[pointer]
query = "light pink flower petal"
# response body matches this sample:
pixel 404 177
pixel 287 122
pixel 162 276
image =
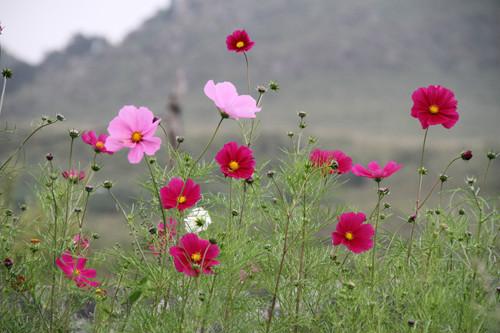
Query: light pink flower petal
pixel 136 154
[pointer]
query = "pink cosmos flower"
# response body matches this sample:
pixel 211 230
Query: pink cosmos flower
pixel 374 171
pixel 163 237
pixel 73 175
pixel 134 128
pixel 434 105
pixel 239 41
pixel 335 161
pixel 230 104
pixel 98 142
pixel 351 232
pixel 80 242
pixel 194 255
pixel 180 195
pixel 236 162
pixel 74 269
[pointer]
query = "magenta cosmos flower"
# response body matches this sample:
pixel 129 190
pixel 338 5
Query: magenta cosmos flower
pixel 97 142
pixel 73 175
pixel 239 41
pixel 74 269
pixel 236 162
pixel 180 195
pixel 80 242
pixel 194 255
pixel 374 171
pixel 134 128
pixel 434 105
pixel 159 246
pixel 334 161
pixel 353 233
pixel 230 104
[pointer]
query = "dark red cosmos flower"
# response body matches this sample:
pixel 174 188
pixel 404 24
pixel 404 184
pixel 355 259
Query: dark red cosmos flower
pixel 194 255
pixel 180 195
pixel 334 161
pixel 236 162
pixel 434 105
pixel 239 41
pixel 351 232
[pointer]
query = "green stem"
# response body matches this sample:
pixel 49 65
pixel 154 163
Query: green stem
pixel 54 255
pixel 420 180
pixel 4 164
pixel 377 218
pixel 68 191
pixel 3 93
pixel 301 281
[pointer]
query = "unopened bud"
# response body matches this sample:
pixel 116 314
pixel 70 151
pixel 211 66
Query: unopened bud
pixel 60 117
pixel 89 188
pixel 302 114
pixel 290 134
pixel 261 89
pixel 7 73
pixel 270 173
pixel 274 86
pixel 74 133
pixel 8 262
pixel 107 184
pixel 443 178
pixel 422 171
pixel 491 155
pixel 249 180
pixel 466 155
pixel 49 157
pixel 96 167
pixel 179 139
pixel 412 218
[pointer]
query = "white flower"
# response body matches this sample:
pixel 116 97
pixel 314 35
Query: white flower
pixel 198 220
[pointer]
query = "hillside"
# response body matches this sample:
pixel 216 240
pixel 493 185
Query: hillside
pixel 347 64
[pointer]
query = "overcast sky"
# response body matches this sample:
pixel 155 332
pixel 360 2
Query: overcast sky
pixel 34 27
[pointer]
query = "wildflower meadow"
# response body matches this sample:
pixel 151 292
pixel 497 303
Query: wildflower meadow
pixel 272 251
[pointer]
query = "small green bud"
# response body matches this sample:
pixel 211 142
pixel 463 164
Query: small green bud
pixel 491 155
pixel 7 73
pixel 422 171
pixel 274 86
pixel 96 167
pixel 443 178
pixel 261 89
pixel 301 114
pixel 60 117
pixel 74 133
pixel 107 184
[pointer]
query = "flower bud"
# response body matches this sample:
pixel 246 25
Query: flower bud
pixel 95 167
pixel 89 188
pixel 95 236
pixel 274 86
pixel 261 89
pixel 249 180
pixel 155 119
pixel 301 114
pixel 466 155
pixel 7 73
pixel 387 205
pixel 9 212
pixel 443 178
pixel 77 210
pixel 422 171
pixel 290 134
pixel 212 241
pixel 461 211
pixel 152 230
pixel 60 117
pixel 74 133
pixel 491 155
pixel 383 191
pixel 107 184
pixel 23 207
pixel 412 218
pixel 270 173
pixel 411 323
pixel 49 157
pixel 470 180
pixel 179 139
pixel 8 262
pixel 234 212
pixel 44 118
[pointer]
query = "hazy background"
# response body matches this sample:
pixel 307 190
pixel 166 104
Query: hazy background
pixel 351 65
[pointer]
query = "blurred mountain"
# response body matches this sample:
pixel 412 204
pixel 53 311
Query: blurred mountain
pixel 350 64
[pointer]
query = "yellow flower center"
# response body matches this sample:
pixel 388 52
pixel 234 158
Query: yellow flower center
pixel 181 199
pixel 349 236
pixel 100 144
pixel 196 256
pixel 233 165
pixel 240 44
pixel 433 109
pixel 77 272
pixel 136 137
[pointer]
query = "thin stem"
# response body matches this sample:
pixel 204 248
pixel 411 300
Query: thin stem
pixel 157 191
pixel 204 150
pixel 417 201
pixel 54 256
pixel 4 164
pixel 301 260
pixel 243 202
pixel 486 171
pixel 248 71
pixel 422 203
pixel 68 190
pixel 184 302
pixel 3 93
pixel 377 217
pixel 211 292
